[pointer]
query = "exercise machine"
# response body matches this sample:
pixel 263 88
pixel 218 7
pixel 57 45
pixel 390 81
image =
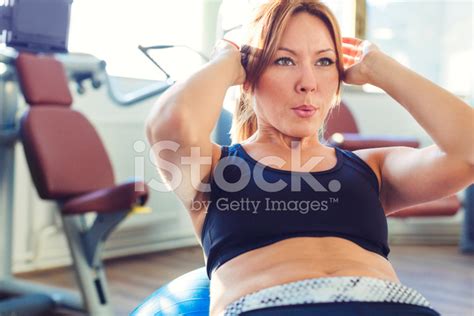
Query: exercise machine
pixel 37 65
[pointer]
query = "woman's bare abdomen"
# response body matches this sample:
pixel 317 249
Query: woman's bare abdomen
pixel 291 260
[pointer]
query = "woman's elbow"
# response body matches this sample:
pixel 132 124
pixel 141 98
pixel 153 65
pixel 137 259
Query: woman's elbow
pixel 150 131
pixel 156 122
pixel 166 123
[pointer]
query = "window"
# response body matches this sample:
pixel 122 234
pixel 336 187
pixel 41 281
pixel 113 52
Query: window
pixel 112 30
pixel 434 38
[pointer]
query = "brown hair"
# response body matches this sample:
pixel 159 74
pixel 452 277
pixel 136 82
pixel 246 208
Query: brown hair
pixel 266 29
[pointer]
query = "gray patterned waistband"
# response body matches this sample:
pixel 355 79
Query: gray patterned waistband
pixel 327 290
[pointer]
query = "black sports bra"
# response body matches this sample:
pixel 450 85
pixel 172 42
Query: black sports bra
pixel 253 205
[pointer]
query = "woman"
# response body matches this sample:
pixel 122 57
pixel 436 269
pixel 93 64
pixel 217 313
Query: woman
pixel 305 230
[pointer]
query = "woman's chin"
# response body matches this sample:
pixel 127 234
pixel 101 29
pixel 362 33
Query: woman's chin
pixel 303 132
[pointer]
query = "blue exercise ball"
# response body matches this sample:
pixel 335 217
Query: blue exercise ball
pixel 187 295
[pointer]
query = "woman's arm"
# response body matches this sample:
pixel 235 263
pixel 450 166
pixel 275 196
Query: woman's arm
pixel 180 124
pixel 446 118
pixel 191 108
pixel 411 176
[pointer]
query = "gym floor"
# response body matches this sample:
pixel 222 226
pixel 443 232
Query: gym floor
pixel 443 275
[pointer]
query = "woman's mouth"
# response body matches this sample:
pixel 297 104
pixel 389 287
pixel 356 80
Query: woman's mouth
pixel 304 111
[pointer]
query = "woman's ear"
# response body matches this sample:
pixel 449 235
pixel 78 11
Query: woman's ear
pixel 246 87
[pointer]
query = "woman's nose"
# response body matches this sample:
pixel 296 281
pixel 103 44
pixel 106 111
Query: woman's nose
pixel 307 81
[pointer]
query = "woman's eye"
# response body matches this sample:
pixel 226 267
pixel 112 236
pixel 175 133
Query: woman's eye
pixel 325 62
pixel 284 61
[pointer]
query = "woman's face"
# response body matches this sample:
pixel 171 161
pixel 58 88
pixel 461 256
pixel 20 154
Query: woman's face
pixel 303 72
